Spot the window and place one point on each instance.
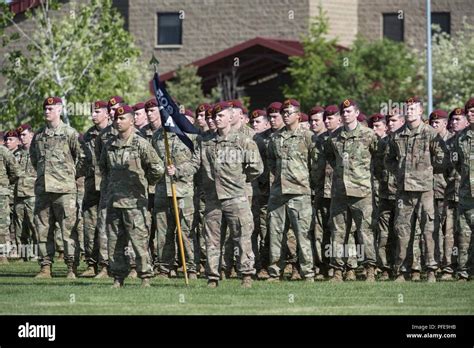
(393, 26)
(169, 29)
(443, 19)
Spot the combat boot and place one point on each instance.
(384, 276)
(431, 277)
(173, 274)
(337, 277)
(400, 278)
(212, 283)
(309, 279)
(415, 276)
(45, 272)
(71, 272)
(118, 283)
(370, 274)
(273, 279)
(61, 255)
(192, 276)
(446, 277)
(350, 275)
(4, 260)
(104, 273)
(145, 283)
(462, 280)
(89, 272)
(162, 275)
(233, 273)
(263, 274)
(133, 274)
(295, 274)
(246, 281)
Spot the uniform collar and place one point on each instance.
(119, 143)
(350, 134)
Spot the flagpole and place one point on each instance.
(169, 162)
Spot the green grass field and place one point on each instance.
(20, 293)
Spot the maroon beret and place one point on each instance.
(457, 111)
(10, 134)
(413, 100)
(189, 112)
(375, 118)
(23, 127)
(122, 110)
(203, 107)
(331, 110)
(138, 106)
(257, 113)
(151, 103)
(438, 114)
(238, 105)
(208, 113)
(99, 104)
(316, 110)
(347, 103)
(469, 104)
(361, 117)
(52, 101)
(222, 106)
(303, 117)
(115, 100)
(274, 108)
(292, 102)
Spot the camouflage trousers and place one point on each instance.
(412, 208)
(235, 214)
(166, 233)
(198, 226)
(444, 234)
(385, 241)
(126, 225)
(260, 237)
(322, 233)
(4, 224)
(95, 237)
(24, 224)
(152, 223)
(285, 211)
(465, 243)
(79, 226)
(346, 211)
(52, 211)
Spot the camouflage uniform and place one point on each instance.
(54, 153)
(165, 246)
(463, 149)
(289, 204)
(79, 226)
(25, 200)
(412, 155)
(127, 168)
(228, 163)
(9, 173)
(14, 238)
(350, 155)
(95, 238)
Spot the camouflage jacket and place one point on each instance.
(452, 176)
(25, 186)
(289, 160)
(439, 178)
(228, 164)
(350, 155)
(463, 158)
(127, 167)
(90, 165)
(414, 155)
(252, 188)
(179, 154)
(54, 154)
(321, 172)
(147, 132)
(264, 181)
(386, 179)
(9, 171)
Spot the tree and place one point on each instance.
(453, 67)
(373, 73)
(82, 56)
(185, 87)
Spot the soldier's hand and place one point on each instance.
(171, 170)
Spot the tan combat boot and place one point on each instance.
(263, 274)
(45, 272)
(273, 279)
(104, 273)
(192, 276)
(431, 277)
(415, 276)
(337, 277)
(145, 283)
(295, 274)
(447, 277)
(350, 275)
(133, 274)
(385, 276)
(400, 278)
(118, 283)
(71, 272)
(89, 272)
(61, 255)
(246, 281)
(212, 283)
(370, 274)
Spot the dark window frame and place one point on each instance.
(178, 42)
(434, 14)
(385, 34)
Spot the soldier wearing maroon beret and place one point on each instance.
(211, 122)
(378, 123)
(154, 119)
(316, 120)
(201, 116)
(259, 121)
(12, 142)
(113, 103)
(457, 120)
(141, 119)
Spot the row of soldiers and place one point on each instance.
(325, 192)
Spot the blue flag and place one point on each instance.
(171, 119)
